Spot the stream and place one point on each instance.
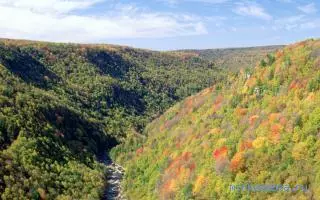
(115, 173)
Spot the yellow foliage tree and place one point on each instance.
(199, 184)
(299, 151)
(259, 142)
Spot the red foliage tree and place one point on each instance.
(220, 153)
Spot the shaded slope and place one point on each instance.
(107, 79)
(261, 127)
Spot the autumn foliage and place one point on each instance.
(261, 127)
(177, 174)
(220, 153)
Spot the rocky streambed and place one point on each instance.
(115, 172)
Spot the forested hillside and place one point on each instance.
(235, 58)
(62, 104)
(260, 126)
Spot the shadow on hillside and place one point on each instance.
(27, 68)
(128, 99)
(79, 135)
(7, 135)
(109, 63)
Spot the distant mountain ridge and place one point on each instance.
(232, 58)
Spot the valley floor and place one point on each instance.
(115, 172)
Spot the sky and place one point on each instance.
(162, 24)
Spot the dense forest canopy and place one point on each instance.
(260, 126)
(63, 104)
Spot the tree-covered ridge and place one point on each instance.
(233, 58)
(62, 104)
(102, 78)
(259, 127)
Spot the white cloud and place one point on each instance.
(49, 6)
(309, 8)
(209, 1)
(174, 2)
(285, 1)
(252, 9)
(299, 22)
(310, 25)
(290, 20)
(234, 29)
(56, 20)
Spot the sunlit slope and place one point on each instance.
(262, 127)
